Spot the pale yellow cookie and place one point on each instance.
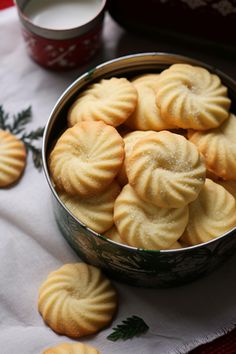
(144, 225)
(114, 235)
(176, 245)
(149, 79)
(218, 147)
(72, 348)
(110, 100)
(166, 169)
(191, 97)
(230, 186)
(130, 140)
(77, 300)
(86, 158)
(95, 212)
(12, 158)
(147, 115)
(211, 215)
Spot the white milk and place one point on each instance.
(62, 14)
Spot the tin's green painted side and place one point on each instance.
(140, 267)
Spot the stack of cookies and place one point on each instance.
(151, 161)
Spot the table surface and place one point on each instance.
(127, 43)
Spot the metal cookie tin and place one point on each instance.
(65, 48)
(128, 264)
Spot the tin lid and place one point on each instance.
(58, 34)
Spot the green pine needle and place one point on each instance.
(20, 120)
(133, 326)
(17, 126)
(3, 119)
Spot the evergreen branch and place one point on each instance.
(33, 135)
(133, 326)
(3, 118)
(20, 120)
(36, 155)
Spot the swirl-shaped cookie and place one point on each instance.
(114, 235)
(145, 225)
(212, 214)
(86, 158)
(166, 169)
(147, 115)
(77, 300)
(110, 100)
(12, 158)
(95, 212)
(230, 186)
(72, 348)
(191, 97)
(218, 147)
(130, 139)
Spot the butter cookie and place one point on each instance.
(77, 300)
(72, 348)
(12, 158)
(144, 225)
(211, 215)
(218, 146)
(95, 212)
(86, 158)
(192, 97)
(166, 169)
(110, 100)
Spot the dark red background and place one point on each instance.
(223, 345)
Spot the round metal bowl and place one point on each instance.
(128, 264)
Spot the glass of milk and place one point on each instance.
(61, 34)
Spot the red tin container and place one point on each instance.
(61, 49)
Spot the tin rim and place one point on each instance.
(59, 34)
(87, 77)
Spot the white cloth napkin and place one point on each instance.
(31, 245)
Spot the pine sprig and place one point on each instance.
(17, 126)
(20, 120)
(36, 155)
(33, 135)
(133, 326)
(3, 119)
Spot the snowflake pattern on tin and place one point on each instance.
(60, 55)
(224, 7)
(194, 4)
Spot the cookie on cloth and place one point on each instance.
(110, 100)
(166, 169)
(12, 158)
(147, 115)
(95, 212)
(145, 225)
(218, 146)
(192, 97)
(130, 140)
(72, 348)
(211, 215)
(77, 300)
(86, 158)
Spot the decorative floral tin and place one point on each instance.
(128, 264)
(60, 48)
